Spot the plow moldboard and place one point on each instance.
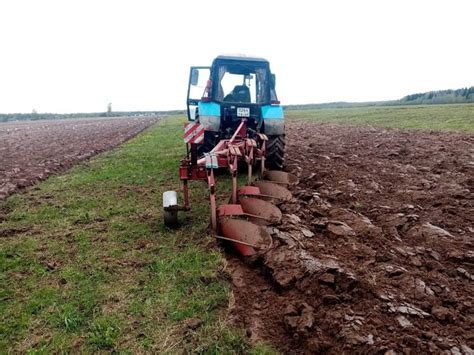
(247, 232)
(273, 190)
(267, 211)
(280, 177)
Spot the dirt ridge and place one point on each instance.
(375, 253)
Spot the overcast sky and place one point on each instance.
(77, 56)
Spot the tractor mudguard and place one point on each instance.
(273, 119)
(210, 116)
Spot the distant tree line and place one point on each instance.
(464, 95)
(441, 97)
(459, 96)
(54, 116)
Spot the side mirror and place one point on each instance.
(194, 77)
(273, 81)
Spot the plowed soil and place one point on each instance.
(33, 150)
(375, 252)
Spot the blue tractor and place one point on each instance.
(237, 87)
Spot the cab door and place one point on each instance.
(198, 78)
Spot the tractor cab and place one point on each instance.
(231, 80)
(241, 80)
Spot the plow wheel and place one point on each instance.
(275, 154)
(171, 218)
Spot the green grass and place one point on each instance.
(459, 117)
(86, 263)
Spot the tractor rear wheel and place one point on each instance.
(275, 152)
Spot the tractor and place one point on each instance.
(235, 118)
(231, 89)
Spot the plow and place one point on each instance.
(235, 122)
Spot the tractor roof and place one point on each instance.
(240, 57)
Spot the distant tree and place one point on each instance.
(462, 95)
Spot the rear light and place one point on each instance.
(274, 102)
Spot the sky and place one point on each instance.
(77, 56)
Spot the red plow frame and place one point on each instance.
(239, 223)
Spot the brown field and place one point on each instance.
(376, 251)
(374, 254)
(33, 150)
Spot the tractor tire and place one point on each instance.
(275, 152)
(208, 144)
